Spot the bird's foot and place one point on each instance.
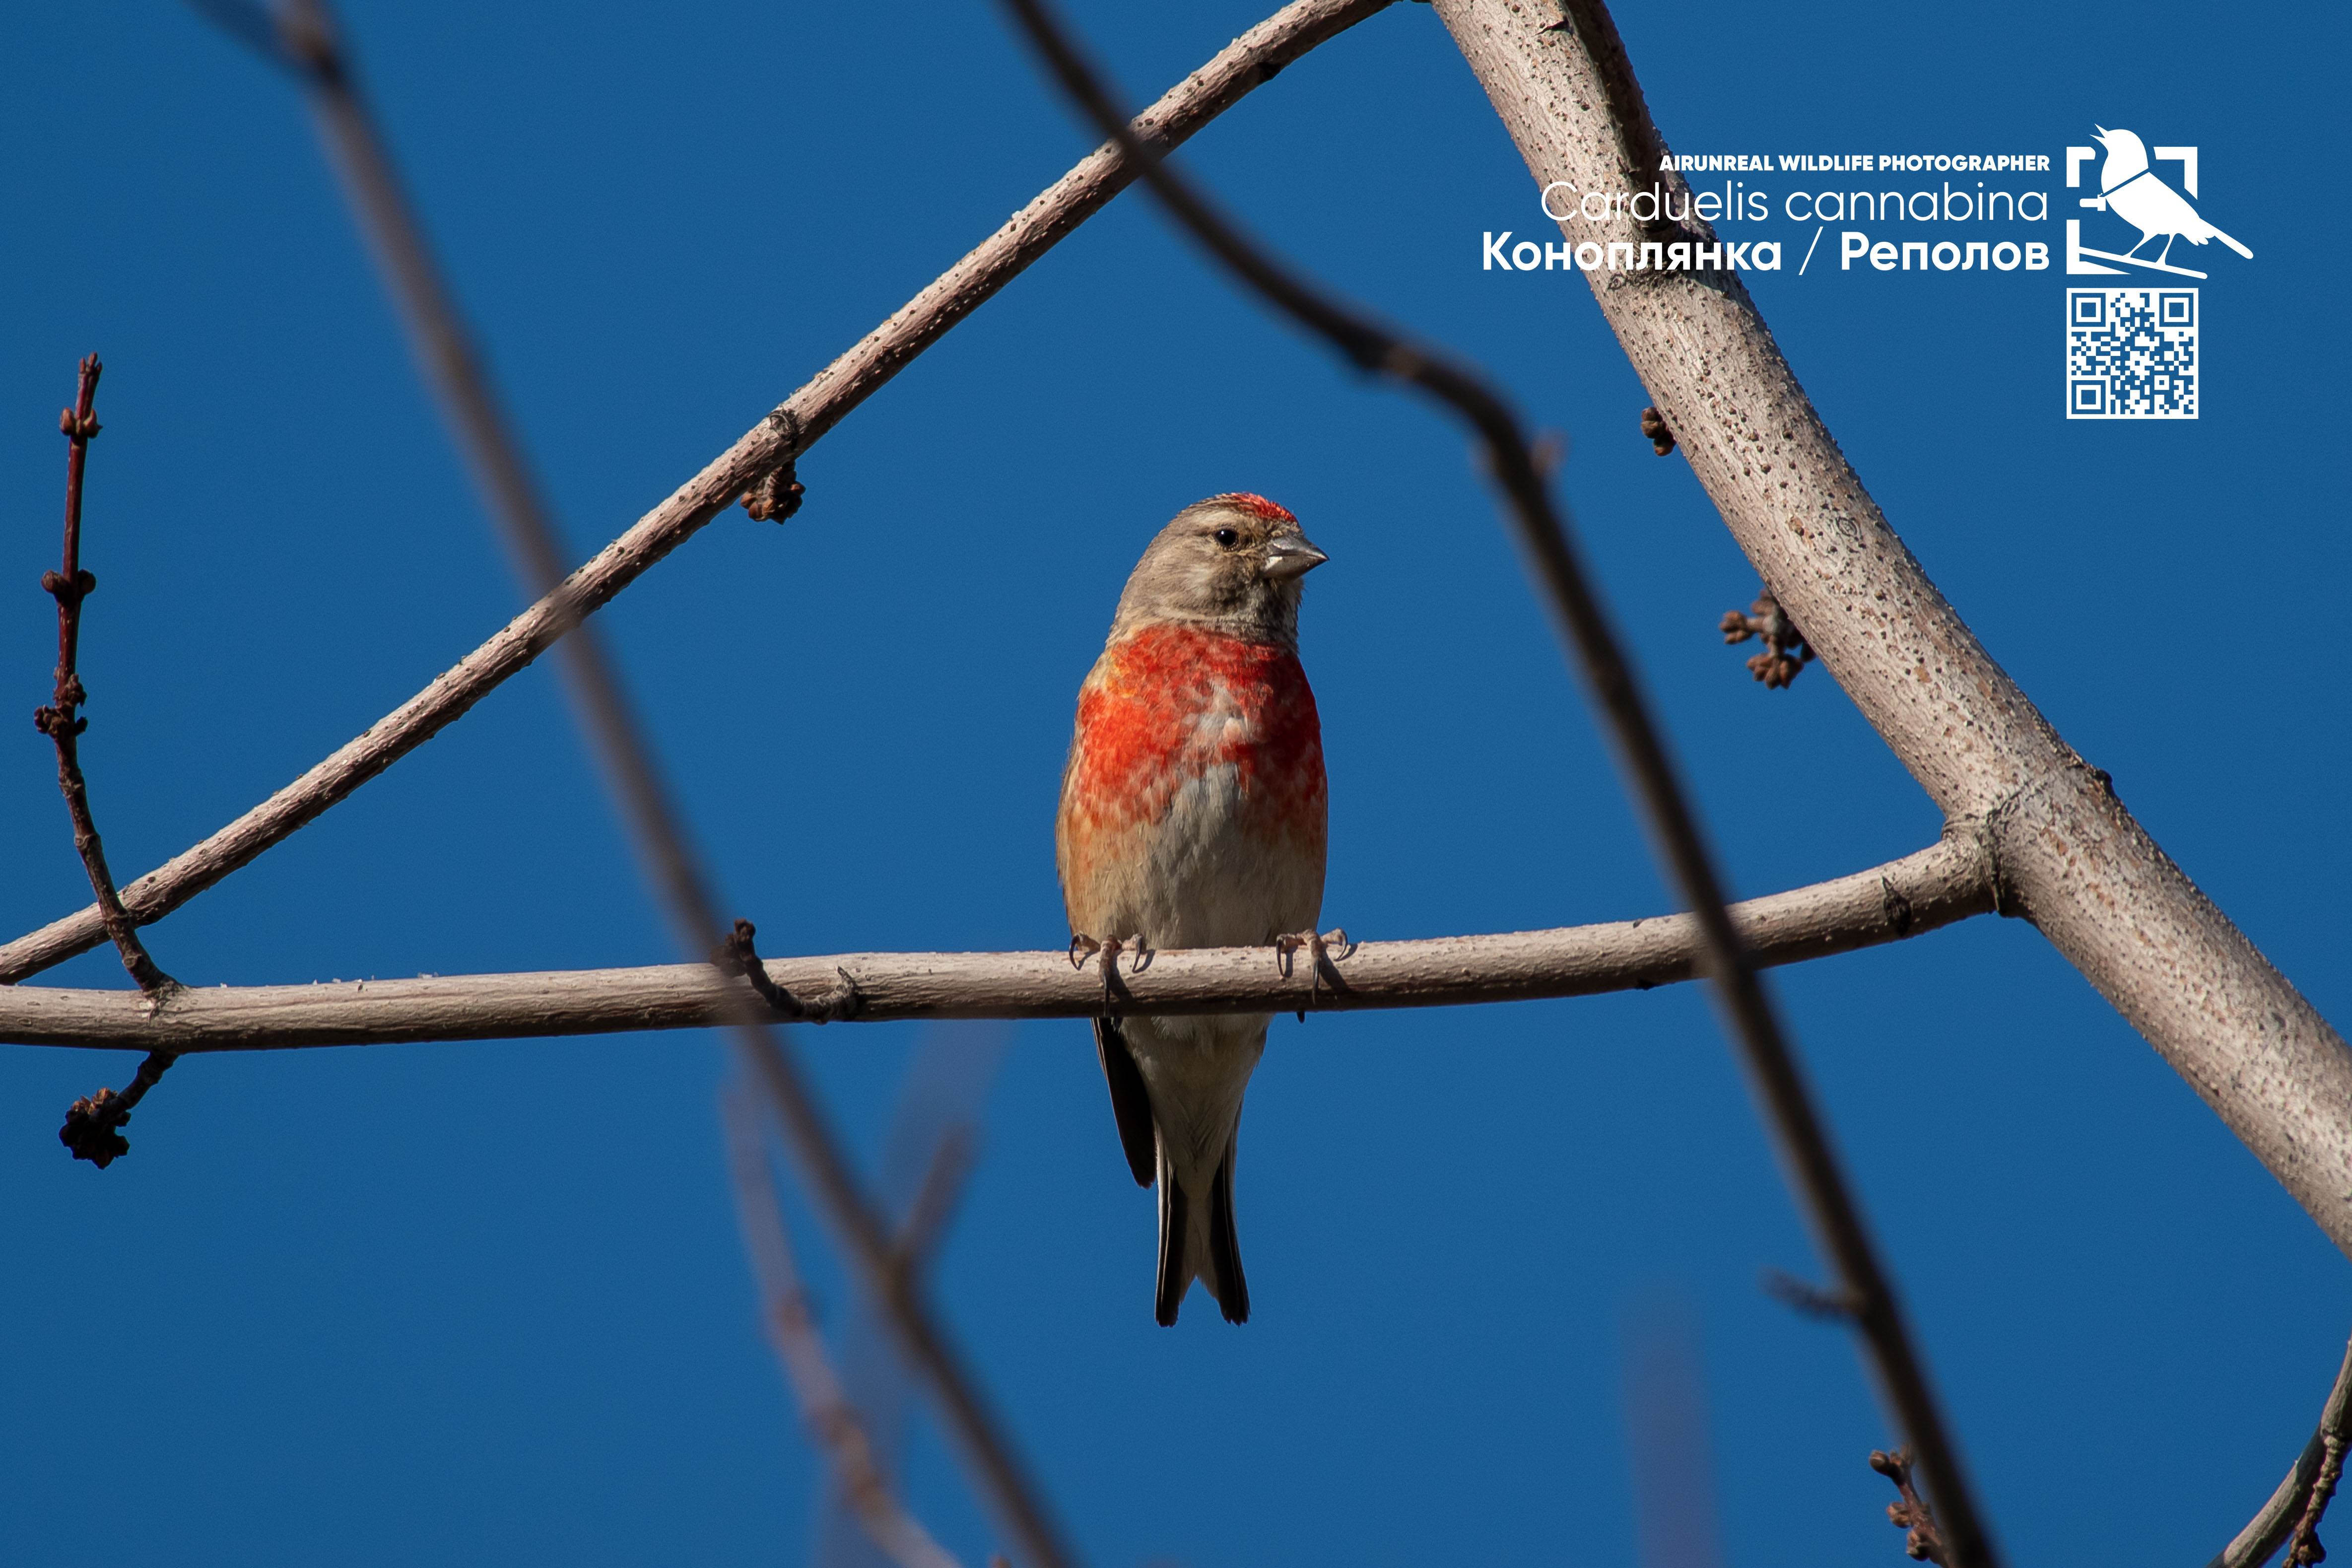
(1319, 946)
(1107, 949)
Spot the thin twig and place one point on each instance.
(93, 1125)
(2291, 1503)
(69, 585)
(2303, 1548)
(788, 431)
(1802, 1136)
(833, 1420)
(1922, 1541)
(641, 796)
(1924, 892)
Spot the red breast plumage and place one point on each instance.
(1168, 709)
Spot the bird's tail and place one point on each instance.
(2230, 243)
(1197, 1241)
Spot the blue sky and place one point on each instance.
(475, 1301)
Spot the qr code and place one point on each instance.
(2131, 354)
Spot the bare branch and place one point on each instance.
(833, 1420)
(2070, 858)
(93, 1123)
(1586, 626)
(787, 432)
(69, 585)
(2296, 1496)
(1922, 1541)
(1921, 892)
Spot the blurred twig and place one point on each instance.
(932, 1139)
(832, 1420)
(1754, 1023)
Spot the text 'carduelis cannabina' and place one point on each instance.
(1193, 814)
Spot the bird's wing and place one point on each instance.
(1130, 1102)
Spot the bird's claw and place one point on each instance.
(1109, 948)
(1318, 946)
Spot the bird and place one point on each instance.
(2129, 189)
(1194, 813)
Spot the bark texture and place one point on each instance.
(1946, 882)
(2065, 853)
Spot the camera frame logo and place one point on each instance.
(2132, 354)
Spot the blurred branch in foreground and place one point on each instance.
(926, 1155)
(832, 1420)
(640, 796)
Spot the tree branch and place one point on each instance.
(2294, 1501)
(93, 1125)
(2068, 855)
(833, 1420)
(1946, 882)
(788, 431)
(69, 585)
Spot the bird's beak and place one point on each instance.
(1292, 556)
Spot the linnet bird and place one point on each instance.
(1193, 814)
(2130, 189)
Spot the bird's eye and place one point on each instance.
(1226, 537)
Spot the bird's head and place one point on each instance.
(2126, 154)
(1232, 563)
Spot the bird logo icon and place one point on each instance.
(2130, 188)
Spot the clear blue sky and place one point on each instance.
(477, 1302)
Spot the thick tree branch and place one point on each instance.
(2069, 856)
(789, 430)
